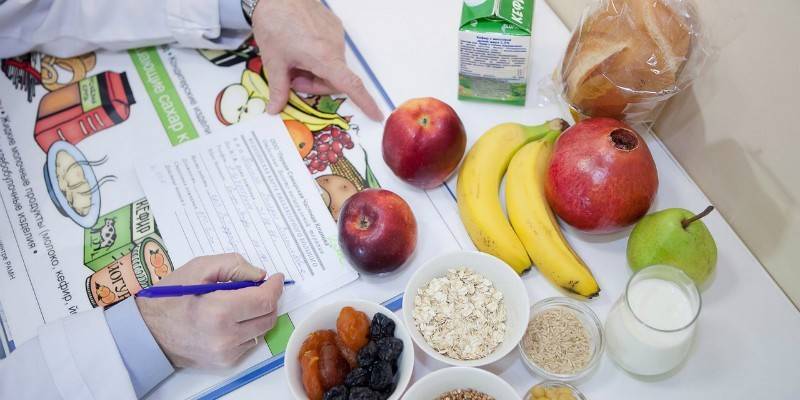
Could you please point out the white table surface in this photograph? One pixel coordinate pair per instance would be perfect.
(748, 338)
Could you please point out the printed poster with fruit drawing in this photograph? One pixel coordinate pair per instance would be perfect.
(79, 231)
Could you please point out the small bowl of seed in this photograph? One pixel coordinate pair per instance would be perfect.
(563, 341)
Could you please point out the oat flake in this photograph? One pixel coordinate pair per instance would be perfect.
(461, 315)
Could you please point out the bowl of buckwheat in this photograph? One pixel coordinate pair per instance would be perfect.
(466, 308)
(461, 383)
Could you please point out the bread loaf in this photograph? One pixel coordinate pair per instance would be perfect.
(626, 57)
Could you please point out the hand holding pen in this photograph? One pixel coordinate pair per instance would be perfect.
(216, 328)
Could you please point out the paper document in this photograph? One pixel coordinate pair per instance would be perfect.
(245, 189)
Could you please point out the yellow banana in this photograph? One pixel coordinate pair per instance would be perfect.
(301, 105)
(306, 108)
(536, 226)
(479, 185)
(312, 127)
(297, 109)
(311, 120)
(255, 85)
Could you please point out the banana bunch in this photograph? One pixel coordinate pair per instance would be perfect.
(297, 109)
(531, 232)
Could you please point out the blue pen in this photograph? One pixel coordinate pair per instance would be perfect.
(184, 290)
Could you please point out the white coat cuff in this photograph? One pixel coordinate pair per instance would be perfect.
(196, 24)
(231, 15)
(83, 356)
(146, 364)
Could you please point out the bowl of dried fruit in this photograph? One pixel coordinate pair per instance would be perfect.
(466, 308)
(563, 341)
(461, 383)
(349, 349)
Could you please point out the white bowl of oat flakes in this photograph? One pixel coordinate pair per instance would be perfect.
(466, 308)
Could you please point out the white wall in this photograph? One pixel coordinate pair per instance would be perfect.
(735, 131)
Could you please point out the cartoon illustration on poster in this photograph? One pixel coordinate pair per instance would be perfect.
(324, 138)
(126, 254)
(29, 70)
(80, 109)
(72, 184)
(76, 106)
(74, 109)
(227, 58)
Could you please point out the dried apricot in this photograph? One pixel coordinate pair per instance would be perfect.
(312, 380)
(316, 339)
(333, 368)
(353, 328)
(348, 354)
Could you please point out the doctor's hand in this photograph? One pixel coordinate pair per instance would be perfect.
(215, 329)
(302, 47)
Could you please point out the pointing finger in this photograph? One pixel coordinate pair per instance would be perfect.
(278, 79)
(308, 83)
(343, 79)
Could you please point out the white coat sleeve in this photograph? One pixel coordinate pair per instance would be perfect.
(72, 358)
(67, 28)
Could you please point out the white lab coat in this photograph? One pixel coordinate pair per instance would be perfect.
(67, 28)
(72, 358)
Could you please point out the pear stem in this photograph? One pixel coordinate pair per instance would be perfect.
(685, 223)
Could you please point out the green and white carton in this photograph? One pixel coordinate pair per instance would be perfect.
(494, 45)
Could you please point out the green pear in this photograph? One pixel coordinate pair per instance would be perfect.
(674, 237)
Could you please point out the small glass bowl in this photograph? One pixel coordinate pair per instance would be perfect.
(590, 322)
(555, 385)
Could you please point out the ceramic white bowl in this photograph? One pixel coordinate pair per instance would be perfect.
(504, 279)
(444, 380)
(324, 317)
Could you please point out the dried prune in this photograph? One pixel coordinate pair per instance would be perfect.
(332, 366)
(348, 354)
(357, 377)
(337, 393)
(368, 354)
(363, 393)
(388, 392)
(312, 382)
(353, 328)
(389, 348)
(381, 327)
(381, 376)
(316, 339)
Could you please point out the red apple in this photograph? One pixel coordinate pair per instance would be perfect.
(601, 176)
(377, 231)
(423, 142)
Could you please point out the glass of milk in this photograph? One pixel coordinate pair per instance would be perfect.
(650, 329)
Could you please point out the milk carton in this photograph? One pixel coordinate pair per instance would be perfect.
(494, 44)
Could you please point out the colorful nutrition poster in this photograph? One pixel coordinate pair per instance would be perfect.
(76, 230)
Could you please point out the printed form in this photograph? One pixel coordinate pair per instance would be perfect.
(245, 189)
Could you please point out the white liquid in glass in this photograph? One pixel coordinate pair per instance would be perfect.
(640, 349)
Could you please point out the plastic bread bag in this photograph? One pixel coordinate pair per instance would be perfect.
(627, 57)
